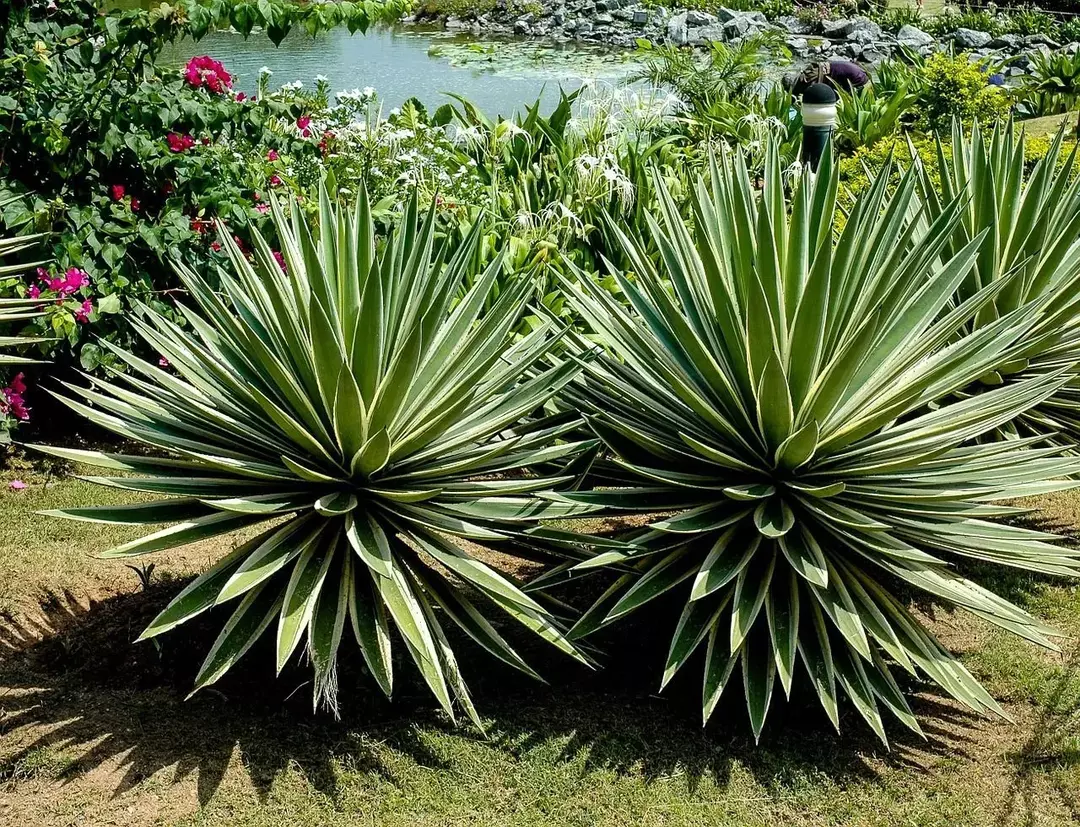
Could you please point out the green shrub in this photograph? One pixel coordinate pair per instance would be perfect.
(124, 164)
(954, 86)
(463, 9)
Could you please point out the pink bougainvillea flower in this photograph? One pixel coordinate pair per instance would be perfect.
(13, 401)
(272, 155)
(280, 259)
(135, 204)
(17, 485)
(118, 192)
(163, 362)
(240, 97)
(74, 279)
(204, 71)
(200, 225)
(34, 291)
(82, 315)
(179, 143)
(216, 246)
(303, 126)
(275, 181)
(262, 208)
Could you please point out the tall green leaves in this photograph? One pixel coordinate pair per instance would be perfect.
(795, 398)
(1029, 225)
(358, 401)
(13, 311)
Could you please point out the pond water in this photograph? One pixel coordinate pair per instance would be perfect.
(402, 62)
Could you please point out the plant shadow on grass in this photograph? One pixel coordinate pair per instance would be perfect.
(1054, 744)
(75, 682)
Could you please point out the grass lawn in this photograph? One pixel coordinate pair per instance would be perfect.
(95, 730)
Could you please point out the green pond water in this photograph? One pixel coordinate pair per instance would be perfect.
(401, 62)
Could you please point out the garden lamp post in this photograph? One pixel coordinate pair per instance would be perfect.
(819, 119)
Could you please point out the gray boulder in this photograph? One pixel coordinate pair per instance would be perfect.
(696, 18)
(837, 29)
(913, 38)
(864, 30)
(708, 34)
(1041, 40)
(727, 15)
(1009, 42)
(971, 39)
(794, 25)
(798, 46)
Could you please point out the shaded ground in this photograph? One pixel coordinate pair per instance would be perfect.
(95, 730)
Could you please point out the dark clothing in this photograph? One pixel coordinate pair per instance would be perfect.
(841, 75)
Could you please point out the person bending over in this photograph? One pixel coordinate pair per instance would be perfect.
(841, 75)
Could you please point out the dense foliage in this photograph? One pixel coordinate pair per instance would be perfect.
(126, 164)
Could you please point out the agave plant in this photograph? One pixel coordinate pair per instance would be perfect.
(369, 420)
(866, 116)
(17, 310)
(1029, 226)
(783, 401)
(1055, 77)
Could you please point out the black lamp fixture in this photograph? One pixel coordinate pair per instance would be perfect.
(819, 120)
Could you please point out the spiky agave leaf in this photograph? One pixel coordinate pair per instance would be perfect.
(370, 417)
(1030, 229)
(787, 396)
(17, 310)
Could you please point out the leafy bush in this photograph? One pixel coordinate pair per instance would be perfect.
(340, 387)
(125, 164)
(864, 117)
(1055, 78)
(787, 397)
(894, 19)
(455, 8)
(770, 8)
(954, 87)
(725, 72)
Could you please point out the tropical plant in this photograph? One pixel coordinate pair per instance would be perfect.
(864, 117)
(15, 311)
(343, 390)
(784, 401)
(1027, 228)
(1055, 76)
(726, 72)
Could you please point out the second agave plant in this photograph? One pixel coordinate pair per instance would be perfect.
(357, 403)
(783, 400)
